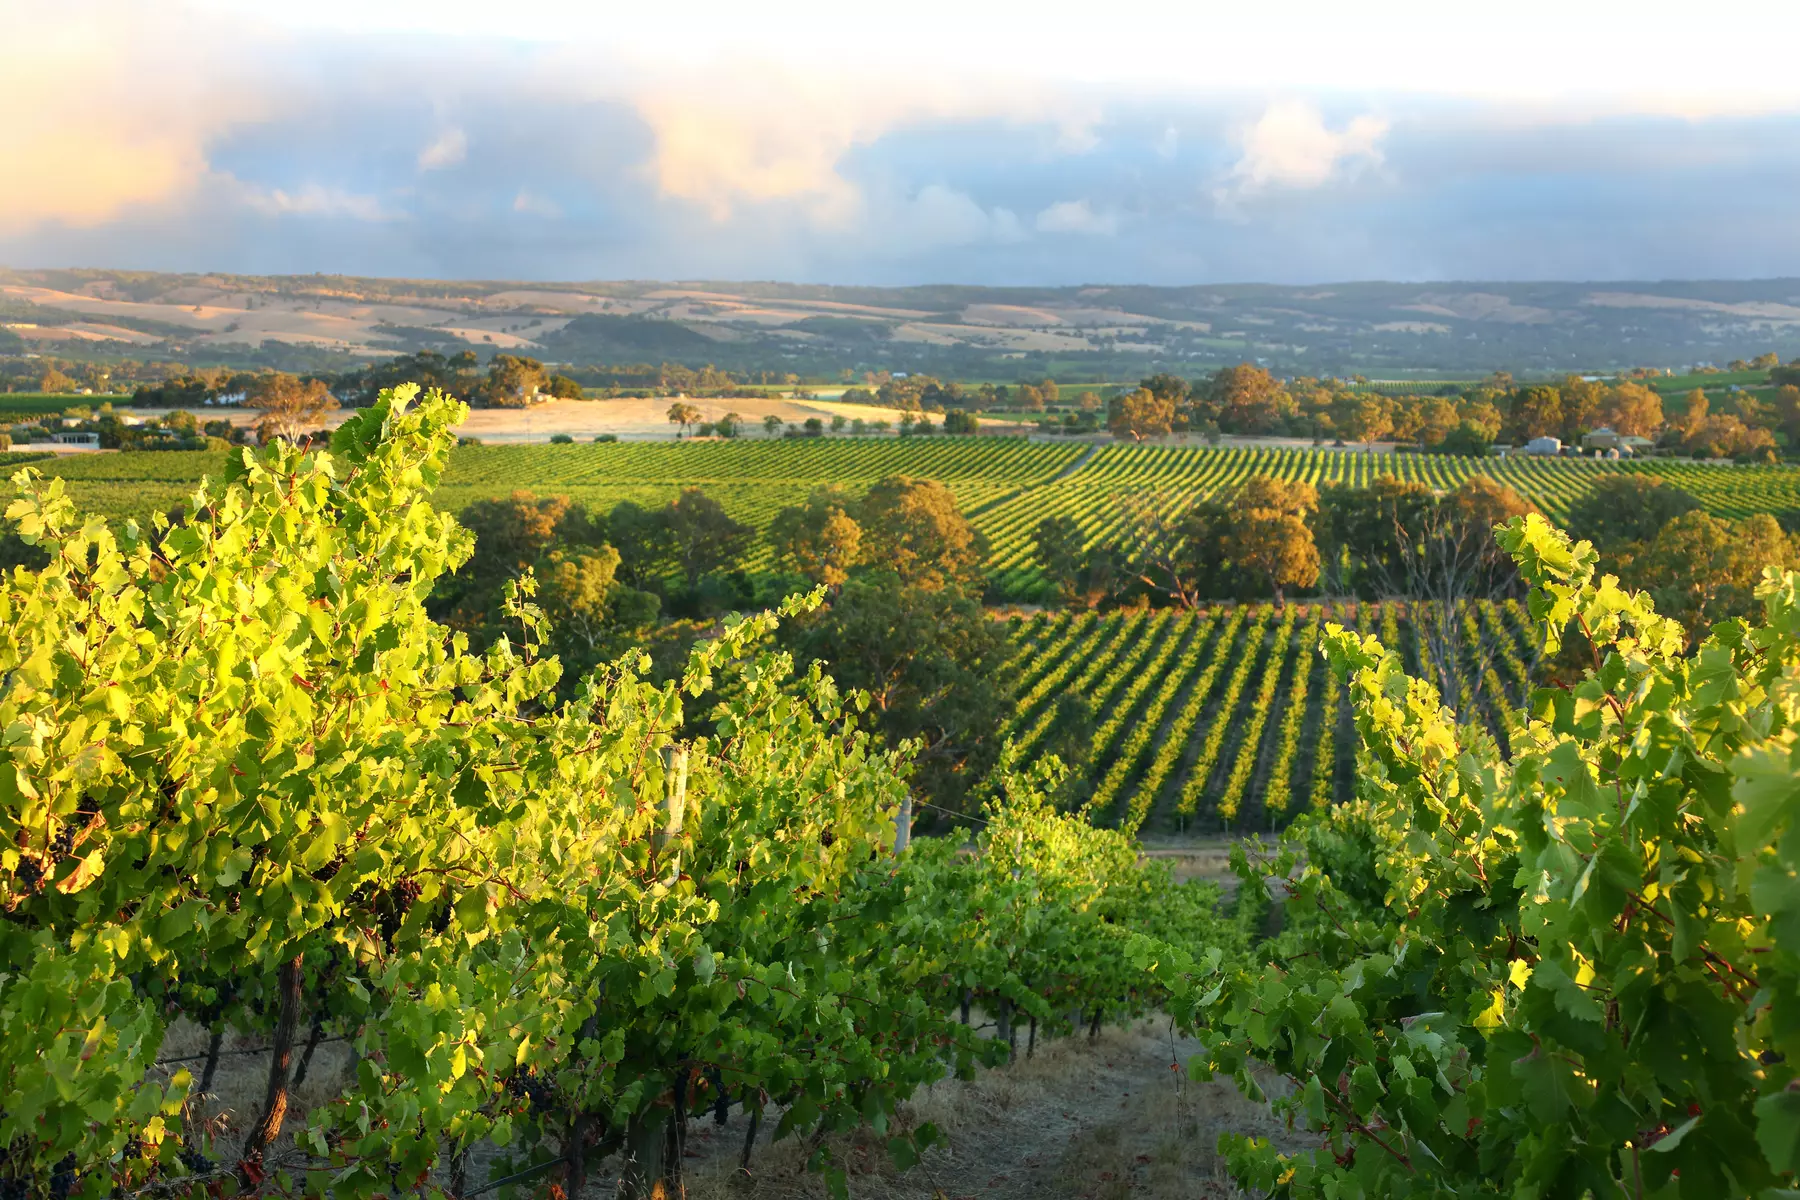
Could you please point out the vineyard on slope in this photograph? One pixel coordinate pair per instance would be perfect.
(1005, 485)
(1222, 719)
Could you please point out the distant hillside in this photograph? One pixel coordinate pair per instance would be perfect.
(1441, 329)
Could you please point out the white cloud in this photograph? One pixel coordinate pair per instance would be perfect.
(1290, 146)
(315, 200)
(766, 131)
(1076, 216)
(450, 148)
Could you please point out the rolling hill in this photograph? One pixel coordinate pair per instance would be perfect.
(969, 332)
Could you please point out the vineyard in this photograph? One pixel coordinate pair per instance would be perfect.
(249, 786)
(1225, 719)
(1005, 485)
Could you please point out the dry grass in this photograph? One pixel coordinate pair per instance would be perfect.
(1079, 1120)
(1093, 1121)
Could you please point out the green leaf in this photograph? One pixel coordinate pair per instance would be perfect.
(1778, 1128)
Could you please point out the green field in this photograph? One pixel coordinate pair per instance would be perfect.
(1006, 485)
(1220, 720)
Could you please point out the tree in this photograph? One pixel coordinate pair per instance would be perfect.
(913, 528)
(1582, 402)
(512, 382)
(1363, 418)
(1267, 535)
(1247, 399)
(819, 539)
(511, 534)
(932, 663)
(1447, 566)
(771, 424)
(1140, 414)
(959, 421)
(729, 425)
(1058, 544)
(1436, 420)
(291, 407)
(1633, 410)
(1694, 414)
(563, 388)
(1468, 439)
(645, 542)
(1702, 569)
(1536, 412)
(1618, 509)
(683, 415)
(593, 616)
(1048, 391)
(703, 537)
(1089, 402)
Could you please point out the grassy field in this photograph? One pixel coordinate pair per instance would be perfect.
(1006, 485)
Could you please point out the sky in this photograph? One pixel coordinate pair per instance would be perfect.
(966, 141)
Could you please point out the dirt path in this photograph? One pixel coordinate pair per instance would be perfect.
(1077, 1120)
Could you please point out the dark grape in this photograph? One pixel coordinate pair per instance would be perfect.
(529, 1085)
(62, 1180)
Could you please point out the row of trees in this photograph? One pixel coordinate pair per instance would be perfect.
(508, 381)
(686, 416)
(901, 618)
(1266, 537)
(1247, 399)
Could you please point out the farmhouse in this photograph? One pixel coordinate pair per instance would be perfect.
(1604, 438)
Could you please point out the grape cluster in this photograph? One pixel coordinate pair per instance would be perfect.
(62, 1180)
(29, 874)
(14, 1188)
(64, 841)
(400, 899)
(529, 1085)
(195, 1161)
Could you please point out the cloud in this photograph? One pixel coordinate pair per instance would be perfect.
(1290, 146)
(449, 149)
(315, 200)
(120, 110)
(936, 217)
(1076, 216)
(764, 132)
